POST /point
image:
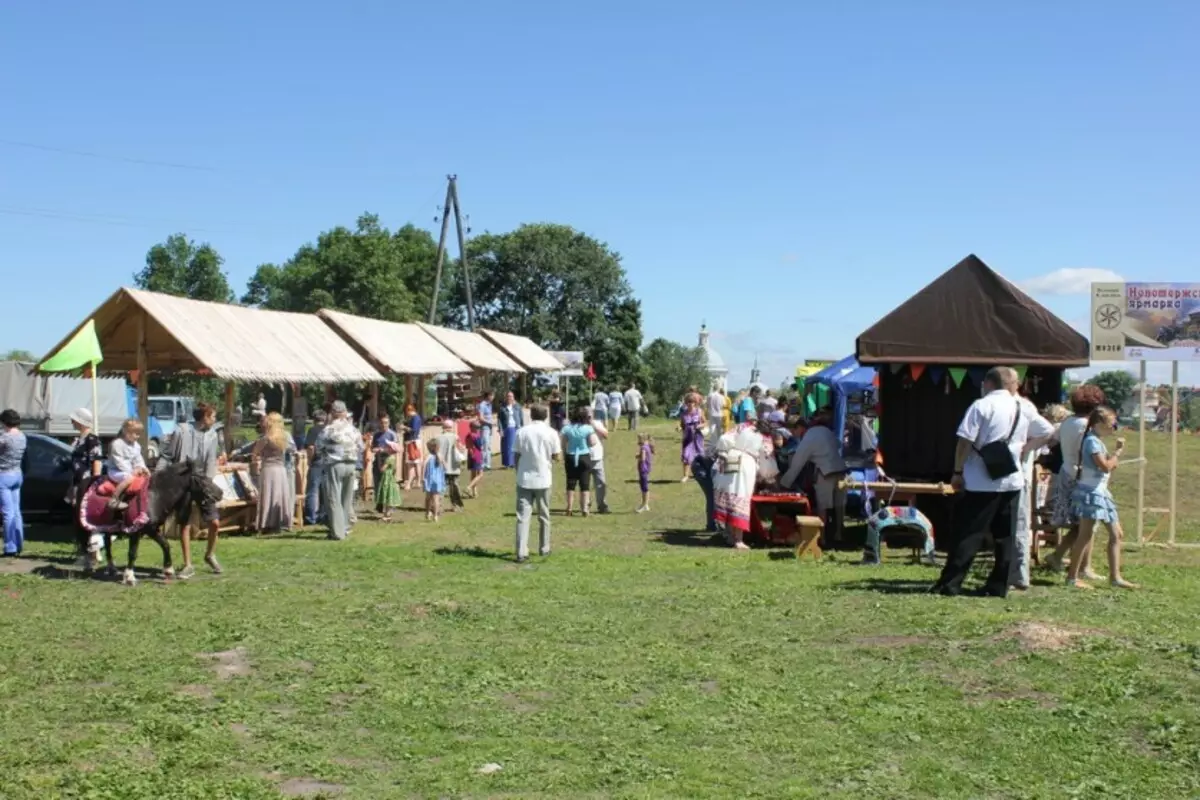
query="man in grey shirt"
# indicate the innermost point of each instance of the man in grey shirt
(199, 444)
(449, 450)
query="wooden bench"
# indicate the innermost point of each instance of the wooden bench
(809, 536)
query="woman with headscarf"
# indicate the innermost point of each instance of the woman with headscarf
(87, 462)
(274, 495)
(691, 424)
(735, 475)
(338, 447)
(12, 450)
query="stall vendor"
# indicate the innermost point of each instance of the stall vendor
(820, 446)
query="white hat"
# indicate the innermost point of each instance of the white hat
(82, 416)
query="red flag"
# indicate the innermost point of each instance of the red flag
(591, 373)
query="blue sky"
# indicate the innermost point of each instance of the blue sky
(788, 172)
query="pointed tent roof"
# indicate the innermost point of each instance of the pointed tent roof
(972, 315)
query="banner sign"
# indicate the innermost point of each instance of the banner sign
(812, 366)
(572, 361)
(1146, 321)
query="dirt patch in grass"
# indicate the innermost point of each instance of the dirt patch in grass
(229, 664)
(888, 641)
(310, 787)
(199, 691)
(1043, 637)
(639, 700)
(240, 729)
(710, 687)
(525, 702)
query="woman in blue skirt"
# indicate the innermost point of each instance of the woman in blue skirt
(1091, 500)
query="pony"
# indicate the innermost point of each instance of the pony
(168, 491)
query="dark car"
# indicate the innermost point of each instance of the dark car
(47, 476)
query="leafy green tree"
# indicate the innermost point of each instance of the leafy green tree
(180, 267)
(18, 355)
(368, 271)
(670, 369)
(562, 289)
(1117, 385)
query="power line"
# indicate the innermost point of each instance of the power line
(106, 157)
(101, 220)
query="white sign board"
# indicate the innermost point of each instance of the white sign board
(572, 361)
(1145, 322)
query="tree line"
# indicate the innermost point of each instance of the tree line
(559, 287)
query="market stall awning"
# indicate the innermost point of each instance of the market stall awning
(403, 348)
(971, 315)
(236, 343)
(524, 351)
(473, 349)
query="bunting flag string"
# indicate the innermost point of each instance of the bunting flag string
(1021, 370)
(977, 375)
(916, 370)
(936, 373)
(895, 368)
(957, 374)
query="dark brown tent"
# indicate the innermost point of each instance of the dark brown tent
(972, 316)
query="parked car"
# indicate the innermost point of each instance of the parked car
(47, 476)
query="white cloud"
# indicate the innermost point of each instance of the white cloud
(1070, 280)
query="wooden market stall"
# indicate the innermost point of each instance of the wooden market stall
(144, 332)
(932, 352)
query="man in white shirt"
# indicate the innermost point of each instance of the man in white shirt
(821, 447)
(633, 405)
(450, 450)
(599, 479)
(714, 407)
(990, 494)
(538, 447)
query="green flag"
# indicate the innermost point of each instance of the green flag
(957, 374)
(1021, 370)
(82, 350)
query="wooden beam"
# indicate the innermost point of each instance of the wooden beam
(229, 393)
(373, 402)
(143, 381)
(421, 396)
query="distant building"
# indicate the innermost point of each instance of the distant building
(716, 365)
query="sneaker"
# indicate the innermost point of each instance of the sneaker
(642, 509)
(187, 572)
(213, 564)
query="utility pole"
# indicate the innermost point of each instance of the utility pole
(452, 205)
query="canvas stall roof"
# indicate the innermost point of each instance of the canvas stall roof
(399, 347)
(473, 349)
(846, 374)
(523, 350)
(972, 315)
(231, 342)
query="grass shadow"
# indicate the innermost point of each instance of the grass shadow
(888, 586)
(473, 552)
(659, 482)
(679, 537)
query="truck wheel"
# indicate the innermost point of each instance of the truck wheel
(152, 451)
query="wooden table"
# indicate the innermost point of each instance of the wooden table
(783, 530)
(898, 493)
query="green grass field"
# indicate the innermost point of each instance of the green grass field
(635, 662)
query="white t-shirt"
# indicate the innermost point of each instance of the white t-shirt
(633, 401)
(989, 419)
(598, 448)
(716, 405)
(1070, 437)
(537, 445)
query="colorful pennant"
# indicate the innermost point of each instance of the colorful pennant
(1021, 370)
(936, 373)
(916, 370)
(895, 368)
(977, 375)
(957, 374)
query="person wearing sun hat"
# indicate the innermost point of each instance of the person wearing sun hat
(87, 462)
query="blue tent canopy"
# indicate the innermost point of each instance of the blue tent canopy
(843, 378)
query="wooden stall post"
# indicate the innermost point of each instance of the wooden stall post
(1141, 487)
(330, 394)
(420, 404)
(143, 383)
(229, 390)
(1171, 492)
(373, 403)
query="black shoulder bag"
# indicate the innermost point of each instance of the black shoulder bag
(997, 456)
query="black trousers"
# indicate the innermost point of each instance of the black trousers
(976, 515)
(454, 492)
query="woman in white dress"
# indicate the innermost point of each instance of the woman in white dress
(740, 453)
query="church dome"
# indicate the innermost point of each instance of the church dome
(716, 364)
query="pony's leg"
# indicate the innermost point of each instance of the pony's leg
(155, 533)
(134, 539)
(111, 568)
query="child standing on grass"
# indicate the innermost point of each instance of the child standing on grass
(387, 493)
(475, 458)
(435, 483)
(645, 458)
(1092, 501)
